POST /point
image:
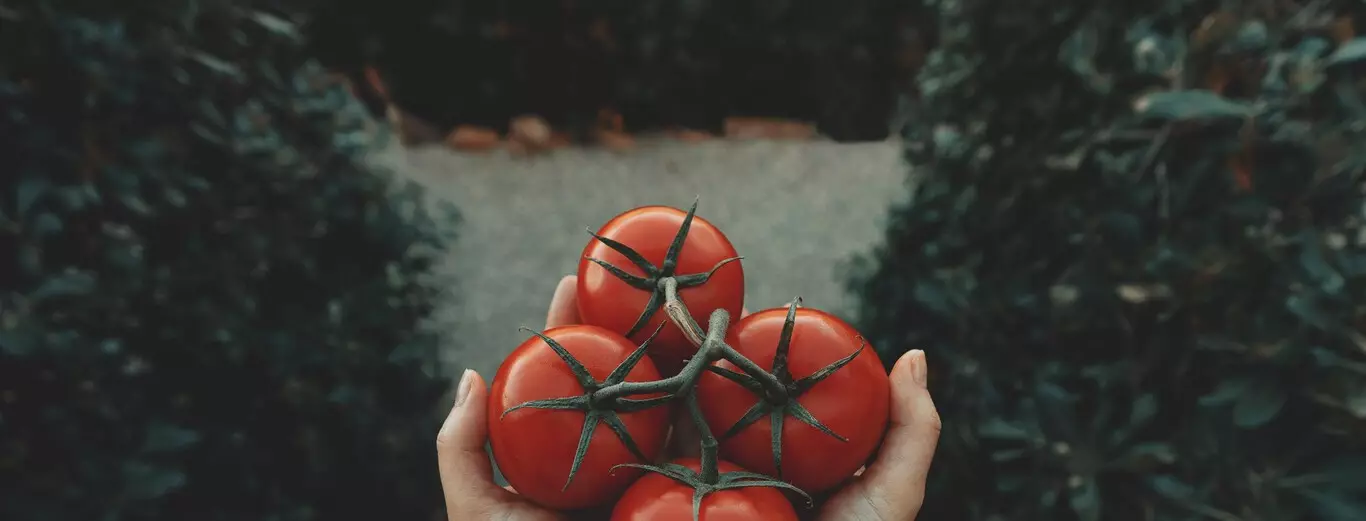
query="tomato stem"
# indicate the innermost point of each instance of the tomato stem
(710, 447)
(678, 313)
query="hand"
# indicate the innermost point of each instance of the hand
(891, 488)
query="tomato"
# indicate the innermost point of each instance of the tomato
(852, 402)
(604, 299)
(535, 447)
(659, 498)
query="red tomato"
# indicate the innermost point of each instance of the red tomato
(852, 402)
(535, 447)
(606, 300)
(659, 498)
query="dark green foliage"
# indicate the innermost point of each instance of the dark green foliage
(1135, 254)
(661, 63)
(209, 303)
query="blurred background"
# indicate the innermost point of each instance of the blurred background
(246, 246)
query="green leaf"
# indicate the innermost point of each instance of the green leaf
(1352, 51)
(144, 481)
(1085, 500)
(45, 224)
(1334, 507)
(997, 428)
(1314, 263)
(1343, 472)
(20, 340)
(71, 283)
(1307, 308)
(164, 437)
(135, 203)
(1171, 487)
(1258, 405)
(30, 190)
(1144, 408)
(1157, 451)
(276, 24)
(216, 64)
(1191, 105)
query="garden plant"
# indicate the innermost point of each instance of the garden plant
(210, 301)
(1135, 246)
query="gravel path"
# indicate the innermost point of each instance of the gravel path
(797, 211)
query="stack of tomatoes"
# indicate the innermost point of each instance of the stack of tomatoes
(542, 396)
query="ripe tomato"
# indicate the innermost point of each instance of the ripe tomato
(535, 447)
(852, 402)
(604, 299)
(658, 498)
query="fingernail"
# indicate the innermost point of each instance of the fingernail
(462, 390)
(919, 368)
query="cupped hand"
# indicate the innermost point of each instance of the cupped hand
(892, 487)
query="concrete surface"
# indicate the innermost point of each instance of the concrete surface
(797, 211)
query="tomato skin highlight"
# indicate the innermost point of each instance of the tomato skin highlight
(606, 301)
(659, 498)
(853, 402)
(535, 448)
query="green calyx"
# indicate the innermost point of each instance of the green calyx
(723, 481)
(596, 411)
(654, 275)
(777, 406)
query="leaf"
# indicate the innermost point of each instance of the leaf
(1227, 391)
(28, 193)
(144, 481)
(276, 24)
(1351, 51)
(1316, 266)
(1190, 105)
(1171, 487)
(164, 437)
(71, 283)
(1343, 473)
(1002, 456)
(19, 341)
(1258, 405)
(216, 64)
(1144, 408)
(1333, 507)
(1159, 451)
(1085, 500)
(999, 429)
(45, 224)
(135, 203)
(1307, 308)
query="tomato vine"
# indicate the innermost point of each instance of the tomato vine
(776, 387)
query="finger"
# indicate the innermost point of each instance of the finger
(897, 477)
(466, 474)
(564, 305)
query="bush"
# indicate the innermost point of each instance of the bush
(660, 63)
(208, 301)
(1134, 251)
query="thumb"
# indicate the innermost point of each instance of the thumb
(466, 474)
(896, 479)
